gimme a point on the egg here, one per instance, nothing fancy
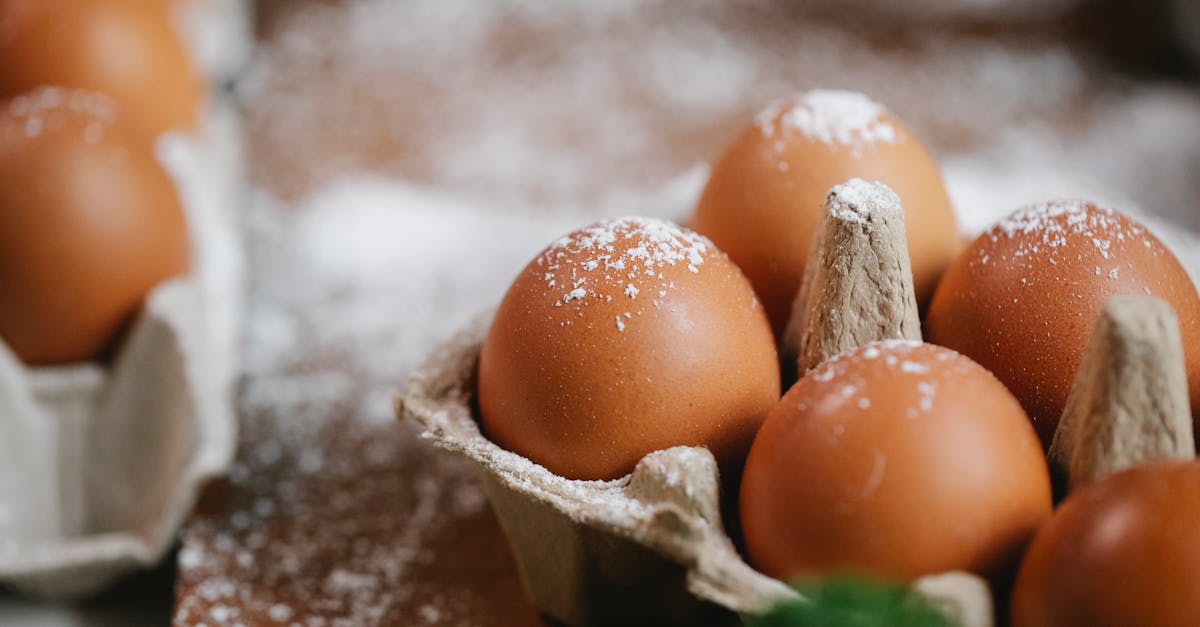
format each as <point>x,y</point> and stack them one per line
<point>125,48</point>
<point>1022,300</point>
<point>897,459</point>
<point>1123,551</point>
<point>89,224</point>
<point>763,200</point>
<point>623,338</point>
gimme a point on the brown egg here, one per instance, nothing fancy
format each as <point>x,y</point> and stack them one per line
<point>1123,551</point>
<point>1023,298</point>
<point>125,48</point>
<point>623,338</point>
<point>898,459</point>
<point>763,200</point>
<point>89,223</point>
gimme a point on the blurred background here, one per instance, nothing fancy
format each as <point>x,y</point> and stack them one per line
<point>551,104</point>
<point>405,159</point>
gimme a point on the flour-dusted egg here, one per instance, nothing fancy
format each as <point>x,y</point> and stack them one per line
<point>763,201</point>
<point>898,459</point>
<point>1123,551</point>
<point>1022,300</point>
<point>623,338</point>
<point>125,48</point>
<point>89,224</point>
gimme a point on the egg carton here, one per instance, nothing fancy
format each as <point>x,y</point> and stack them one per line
<point>650,547</point>
<point>100,465</point>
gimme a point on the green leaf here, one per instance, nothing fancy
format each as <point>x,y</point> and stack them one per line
<point>850,601</point>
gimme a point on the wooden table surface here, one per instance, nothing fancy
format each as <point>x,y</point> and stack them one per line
<point>334,513</point>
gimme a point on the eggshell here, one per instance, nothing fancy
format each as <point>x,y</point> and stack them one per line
<point>623,338</point>
<point>89,224</point>
<point>898,459</point>
<point>125,48</point>
<point>762,203</point>
<point>1123,551</point>
<point>1022,300</point>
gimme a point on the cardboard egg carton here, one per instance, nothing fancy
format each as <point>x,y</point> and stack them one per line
<point>625,551</point>
<point>100,465</point>
<point>650,547</point>
<point>1129,402</point>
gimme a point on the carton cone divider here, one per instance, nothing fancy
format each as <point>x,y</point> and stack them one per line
<point>1129,402</point>
<point>858,282</point>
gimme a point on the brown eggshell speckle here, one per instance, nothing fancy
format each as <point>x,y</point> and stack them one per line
<point>762,203</point>
<point>125,48</point>
<point>897,459</point>
<point>624,338</point>
<point>89,224</point>
<point>1022,300</point>
<point>1123,551</point>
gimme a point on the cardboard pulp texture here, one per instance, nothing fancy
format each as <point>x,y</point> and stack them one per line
<point>648,548</point>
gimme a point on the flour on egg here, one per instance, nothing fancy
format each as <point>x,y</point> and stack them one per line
<point>832,117</point>
<point>622,258</point>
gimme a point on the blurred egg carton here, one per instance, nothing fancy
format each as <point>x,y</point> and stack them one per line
<point>101,464</point>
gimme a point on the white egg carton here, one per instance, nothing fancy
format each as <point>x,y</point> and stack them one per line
<point>100,465</point>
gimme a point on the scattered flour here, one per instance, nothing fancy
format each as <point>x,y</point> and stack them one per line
<point>856,199</point>
<point>839,381</point>
<point>613,258</point>
<point>832,117</point>
<point>42,110</point>
<point>1065,232</point>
